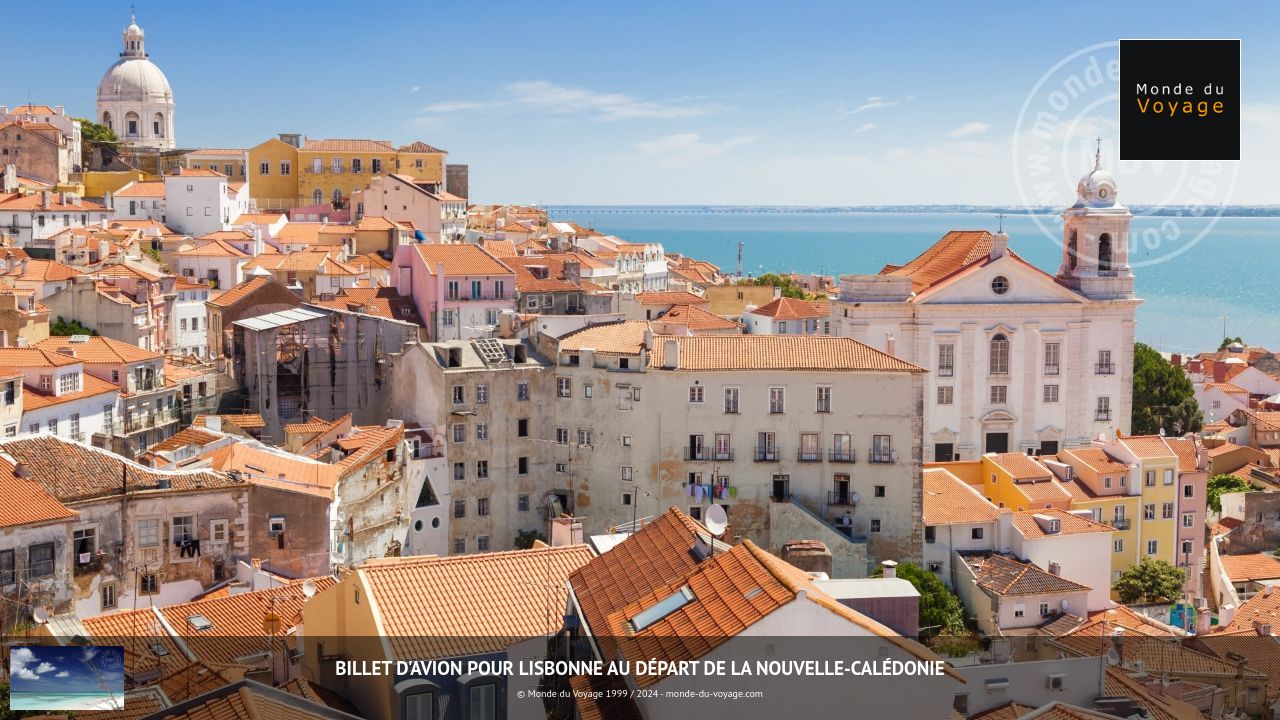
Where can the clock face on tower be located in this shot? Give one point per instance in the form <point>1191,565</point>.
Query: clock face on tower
<point>1102,193</point>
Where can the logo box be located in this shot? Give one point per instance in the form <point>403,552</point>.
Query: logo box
<point>1180,99</point>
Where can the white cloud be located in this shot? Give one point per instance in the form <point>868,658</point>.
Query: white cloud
<point>875,102</point>
<point>63,673</point>
<point>969,128</point>
<point>415,88</point>
<point>550,98</point>
<point>865,127</point>
<point>21,659</point>
<point>684,149</point>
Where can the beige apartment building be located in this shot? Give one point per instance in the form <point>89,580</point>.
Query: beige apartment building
<point>487,402</point>
<point>827,429</point>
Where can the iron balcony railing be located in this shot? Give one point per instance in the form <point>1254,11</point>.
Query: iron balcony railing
<point>766,454</point>
<point>811,455</point>
<point>842,456</point>
<point>695,453</point>
<point>840,497</point>
<point>1105,368</point>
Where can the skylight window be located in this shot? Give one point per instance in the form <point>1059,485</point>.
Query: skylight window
<point>663,608</point>
<point>159,650</point>
<point>199,622</point>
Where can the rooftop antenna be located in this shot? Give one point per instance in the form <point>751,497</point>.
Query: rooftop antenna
<point>740,244</point>
<point>1000,227</point>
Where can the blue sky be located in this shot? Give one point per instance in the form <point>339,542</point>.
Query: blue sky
<point>55,669</point>
<point>664,102</point>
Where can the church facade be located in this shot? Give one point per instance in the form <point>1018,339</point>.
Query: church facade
<point>1018,360</point>
<point>134,97</point>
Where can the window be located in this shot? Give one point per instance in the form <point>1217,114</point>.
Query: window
<point>459,546</point>
<point>459,471</point>
<point>482,699</point>
<point>376,165</point>
<point>586,389</point>
<point>809,451</point>
<point>626,441</point>
<point>459,508</point>
<point>1186,547</point>
<point>975,533</point>
<point>1105,366</point>
<point>149,584</point>
<point>1117,545</point>
<point>1188,520</point>
<point>824,399</point>
<point>1106,481</point>
<point>75,424</point>
<point>419,706</point>
<point>1052,358</point>
<point>459,432</point>
<point>285,168</point>
<point>1153,547</point>
<point>1166,511</point>
<point>107,593</point>
<point>695,393</point>
<point>482,506</point>
<point>219,532</point>
<point>1149,511</point>
<point>945,394</point>
<point>875,525</point>
<point>482,393</point>
<point>878,491</point>
<point>1168,476</point>
<point>564,387</point>
<point>777,400</point>
<point>522,427</point>
<point>1188,491</point>
<point>1104,409</point>
<point>83,544</point>
<point>930,534</point>
<point>53,426</point>
<point>626,473</point>
<point>1051,393</point>
<point>584,437</point>
<point>562,436</point>
<point>562,468</point>
<point>446,318</point>
<point>946,360</point>
<point>482,543</point>
<point>1150,478</point>
<point>8,571</point>
<point>264,168</point>
<point>626,498</point>
<point>1000,285</point>
<point>731,400</point>
<point>40,560</point>
<point>999,394</point>
<point>998,360</point>
<point>522,503</point>
<point>184,528</point>
<point>1044,609</point>
<point>522,466</point>
<point>881,451</point>
<point>357,165</point>
<point>482,431</point>
<point>482,471</point>
<point>148,532</point>
<point>1019,610</point>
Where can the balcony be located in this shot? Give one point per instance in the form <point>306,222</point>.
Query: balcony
<point>842,497</point>
<point>722,454</point>
<point>1052,369</point>
<point>1105,369</point>
<point>946,371</point>
<point>695,453</point>
<point>880,456</point>
<point>842,456</point>
<point>432,450</point>
<point>1119,523</point>
<point>766,454</point>
<point>810,455</point>
<point>1102,416</point>
<point>475,298</point>
<point>89,568</point>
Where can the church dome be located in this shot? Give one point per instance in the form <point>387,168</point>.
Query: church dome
<point>1098,187</point>
<point>135,78</point>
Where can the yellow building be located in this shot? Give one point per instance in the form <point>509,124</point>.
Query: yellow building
<point>273,174</point>
<point>1100,483</point>
<point>290,171</point>
<point>228,161</point>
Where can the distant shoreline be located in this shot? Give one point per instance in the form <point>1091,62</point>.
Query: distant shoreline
<point>1244,211</point>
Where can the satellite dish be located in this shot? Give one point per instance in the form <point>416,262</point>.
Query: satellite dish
<point>717,520</point>
<point>40,615</point>
<point>309,588</point>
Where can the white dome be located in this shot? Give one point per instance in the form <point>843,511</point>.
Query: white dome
<point>135,79</point>
<point>1098,187</point>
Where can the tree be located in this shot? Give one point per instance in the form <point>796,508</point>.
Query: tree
<point>789,287</point>
<point>940,610</point>
<point>1151,580</point>
<point>526,538</point>
<point>1227,341</point>
<point>1220,485</point>
<point>1162,396</point>
<point>93,136</point>
<point>65,328</point>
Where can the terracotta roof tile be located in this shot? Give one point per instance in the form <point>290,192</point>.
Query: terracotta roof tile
<point>274,468</point>
<point>956,250</point>
<point>142,188</point>
<point>27,502</point>
<point>948,500</point>
<point>785,308</point>
<point>614,338</point>
<point>347,145</point>
<point>90,386</point>
<point>1008,711</point>
<point>214,248</point>
<point>464,259</point>
<point>187,437</point>
<point>470,604</point>
<point>99,349</point>
<point>776,352</point>
<point>235,294</point>
<point>1097,459</point>
<point>44,271</point>
<point>1254,566</point>
<point>697,318</point>
<point>381,302</point>
<point>1020,466</point>
<point>1148,447</point>
<point>670,297</point>
<point>420,147</point>
<point>1009,577</point>
<point>1069,524</point>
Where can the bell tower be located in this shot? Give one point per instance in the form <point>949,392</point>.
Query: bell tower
<point>1095,238</point>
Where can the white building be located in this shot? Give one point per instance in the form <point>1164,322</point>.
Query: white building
<point>140,200</point>
<point>789,316</point>
<point>134,97</point>
<point>956,518</point>
<point>59,397</point>
<point>187,321</point>
<point>217,262</point>
<point>198,202</point>
<point>1066,544</point>
<point>1018,359</point>
<point>42,215</point>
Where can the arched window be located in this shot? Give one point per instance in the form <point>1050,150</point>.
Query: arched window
<point>1071,251</point>
<point>317,197</point>
<point>337,198</point>
<point>999,360</point>
<point>106,120</point>
<point>157,125</point>
<point>1104,253</point>
<point>131,125</point>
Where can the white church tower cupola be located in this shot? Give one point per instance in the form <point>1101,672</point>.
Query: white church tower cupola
<point>1095,238</point>
<point>134,97</point>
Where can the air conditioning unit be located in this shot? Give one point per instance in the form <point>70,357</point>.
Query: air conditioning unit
<point>276,525</point>
<point>935,567</point>
<point>1056,682</point>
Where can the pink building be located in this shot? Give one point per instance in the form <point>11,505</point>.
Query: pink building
<point>459,290</point>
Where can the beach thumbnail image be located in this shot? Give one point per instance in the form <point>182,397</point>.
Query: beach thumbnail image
<point>66,678</point>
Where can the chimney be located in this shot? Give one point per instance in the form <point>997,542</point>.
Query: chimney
<point>1175,359</point>
<point>1055,569</point>
<point>811,556</point>
<point>45,198</point>
<point>890,345</point>
<point>1263,629</point>
<point>999,245</point>
<point>10,178</point>
<point>890,568</point>
<point>104,248</point>
<point>22,470</point>
<point>1219,372</point>
<point>671,354</point>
